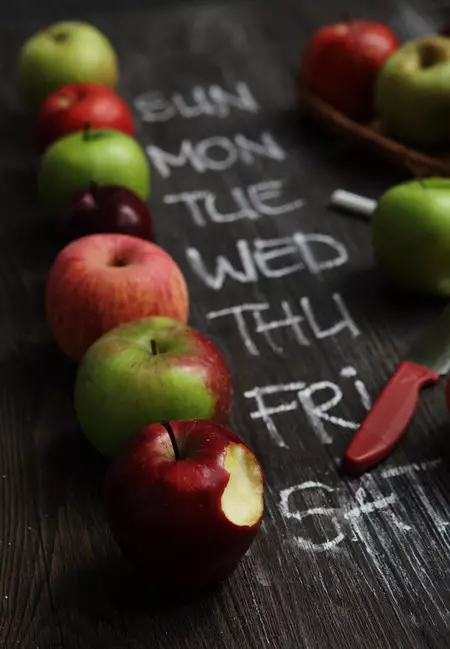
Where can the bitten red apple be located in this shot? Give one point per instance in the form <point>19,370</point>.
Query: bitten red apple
<point>341,61</point>
<point>106,208</point>
<point>185,500</point>
<point>72,106</point>
<point>102,280</point>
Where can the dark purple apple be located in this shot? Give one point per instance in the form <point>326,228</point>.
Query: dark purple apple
<point>106,209</point>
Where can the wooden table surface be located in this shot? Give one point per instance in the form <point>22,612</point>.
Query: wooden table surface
<point>288,289</point>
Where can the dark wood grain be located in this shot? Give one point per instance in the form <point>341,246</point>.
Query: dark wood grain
<point>366,562</point>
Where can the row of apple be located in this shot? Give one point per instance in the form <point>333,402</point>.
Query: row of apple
<point>361,68</point>
<point>184,494</point>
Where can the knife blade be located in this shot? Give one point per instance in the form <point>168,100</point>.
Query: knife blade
<point>427,361</point>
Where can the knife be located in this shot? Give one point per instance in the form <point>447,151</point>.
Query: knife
<point>393,409</point>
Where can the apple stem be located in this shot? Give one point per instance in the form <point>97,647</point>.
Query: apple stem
<point>169,429</point>
<point>86,130</point>
<point>154,346</point>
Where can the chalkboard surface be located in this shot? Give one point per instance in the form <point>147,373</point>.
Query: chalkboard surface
<point>288,289</point>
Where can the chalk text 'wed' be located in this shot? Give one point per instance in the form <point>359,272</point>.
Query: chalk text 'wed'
<point>270,258</point>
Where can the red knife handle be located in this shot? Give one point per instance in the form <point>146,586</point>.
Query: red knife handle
<point>389,416</point>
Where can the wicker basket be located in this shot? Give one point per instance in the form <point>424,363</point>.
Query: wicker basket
<point>419,163</point>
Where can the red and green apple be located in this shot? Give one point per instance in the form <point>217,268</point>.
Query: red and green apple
<point>66,52</point>
<point>148,370</point>
<point>100,281</point>
<point>185,500</point>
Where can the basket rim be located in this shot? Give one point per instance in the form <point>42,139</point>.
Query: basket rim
<point>416,161</point>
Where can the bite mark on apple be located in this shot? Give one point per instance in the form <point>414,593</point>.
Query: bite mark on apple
<point>242,498</point>
<point>173,439</point>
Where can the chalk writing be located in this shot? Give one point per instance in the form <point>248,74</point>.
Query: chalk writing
<point>266,413</point>
<point>259,256</point>
<point>209,101</point>
<point>318,413</point>
<point>361,389</point>
<point>319,515</point>
<point>251,203</point>
<point>371,487</point>
<point>379,534</point>
<point>328,512</point>
<point>295,322</point>
<point>305,397</point>
<point>336,516</point>
<point>215,153</point>
<point>409,473</point>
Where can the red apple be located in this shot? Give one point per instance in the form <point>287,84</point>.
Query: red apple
<point>102,280</point>
<point>107,208</point>
<point>341,61</point>
<point>72,106</point>
<point>185,500</point>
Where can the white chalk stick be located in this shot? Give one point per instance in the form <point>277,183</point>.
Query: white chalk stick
<point>353,202</point>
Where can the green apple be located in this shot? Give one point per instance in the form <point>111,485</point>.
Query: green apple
<point>145,371</point>
<point>67,52</point>
<point>101,156</point>
<point>411,235</point>
<point>412,92</point>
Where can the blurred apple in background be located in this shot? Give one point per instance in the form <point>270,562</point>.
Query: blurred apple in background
<point>185,500</point>
<point>100,281</point>
<point>109,208</point>
<point>72,106</point>
<point>66,52</point>
<point>341,60</point>
<point>103,156</point>
<point>411,235</point>
<point>145,371</point>
<point>412,92</point>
